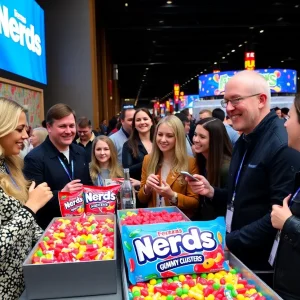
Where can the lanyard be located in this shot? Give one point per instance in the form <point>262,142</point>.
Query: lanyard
<point>66,170</point>
<point>11,178</point>
<point>237,177</point>
<point>294,196</point>
<point>100,181</point>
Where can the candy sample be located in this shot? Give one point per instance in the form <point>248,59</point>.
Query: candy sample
<point>163,250</point>
<point>144,216</point>
<point>206,286</point>
<point>78,239</point>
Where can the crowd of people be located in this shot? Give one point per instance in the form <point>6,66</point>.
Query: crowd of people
<point>247,165</point>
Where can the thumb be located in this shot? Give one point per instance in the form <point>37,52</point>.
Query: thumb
<point>32,186</point>
<point>286,201</point>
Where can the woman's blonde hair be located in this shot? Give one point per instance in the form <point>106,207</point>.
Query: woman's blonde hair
<point>180,161</point>
<point>10,112</point>
<point>41,133</point>
<point>114,167</point>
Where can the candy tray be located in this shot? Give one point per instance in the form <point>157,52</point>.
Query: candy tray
<point>71,279</point>
<point>234,262</point>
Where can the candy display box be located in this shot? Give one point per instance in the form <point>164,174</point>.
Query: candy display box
<point>234,262</point>
<point>168,209</point>
<point>71,279</point>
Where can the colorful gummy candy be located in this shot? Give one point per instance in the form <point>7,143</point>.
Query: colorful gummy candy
<point>150,217</point>
<point>206,286</point>
<point>80,239</point>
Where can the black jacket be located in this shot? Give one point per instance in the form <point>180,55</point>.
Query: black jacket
<point>266,178</point>
<point>287,265</point>
<point>42,165</point>
<point>133,163</point>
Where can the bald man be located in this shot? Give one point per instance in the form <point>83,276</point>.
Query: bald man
<point>261,171</point>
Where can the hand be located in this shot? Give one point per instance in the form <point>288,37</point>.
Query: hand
<point>280,214</point>
<point>164,190</point>
<point>135,182</point>
<point>201,187</point>
<point>38,196</point>
<point>151,182</point>
<point>73,186</point>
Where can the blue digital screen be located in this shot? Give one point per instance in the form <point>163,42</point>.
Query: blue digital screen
<point>280,81</point>
<point>22,39</point>
<point>190,99</point>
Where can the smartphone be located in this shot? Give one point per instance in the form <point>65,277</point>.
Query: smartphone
<point>184,173</point>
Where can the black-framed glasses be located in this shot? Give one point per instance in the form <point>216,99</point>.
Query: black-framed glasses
<point>235,101</point>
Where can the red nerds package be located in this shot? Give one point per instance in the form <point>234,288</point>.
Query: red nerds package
<point>100,199</point>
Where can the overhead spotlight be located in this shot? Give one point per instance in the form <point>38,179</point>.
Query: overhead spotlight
<point>143,80</point>
<point>245,42</point>
<point>232,50</point>
<point>126,4</point>
<point>161,21</point>
<point>240,45</point>
<point>205,70</point>
<point>282,61</point>
<point>147,69</point>
<point>223,57</point>
<point>144,75</point>
<point>215,63</point>
<point>251,27</point>
<point>169,2</point>
<point>228,53</point>
<point>269,67</point>
<point>280,19</point>
<point>296,6</point>
<point>201,72</point>
<point>261,31</point>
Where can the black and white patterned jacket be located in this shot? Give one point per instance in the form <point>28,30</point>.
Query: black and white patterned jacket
<point>18,234</point>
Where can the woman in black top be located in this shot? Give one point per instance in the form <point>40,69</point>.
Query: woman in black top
<point>139,143</point>
<point>213,154</point>
<point>286,218</point>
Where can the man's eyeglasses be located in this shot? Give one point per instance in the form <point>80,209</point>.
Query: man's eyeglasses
<point>82,132</point>
<point>236,101</point>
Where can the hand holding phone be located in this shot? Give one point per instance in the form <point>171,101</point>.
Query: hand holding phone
<point>184,173</point>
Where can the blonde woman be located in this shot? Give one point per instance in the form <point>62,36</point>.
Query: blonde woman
<point>18,205</point>
<point>161,183</point>
<point>104,164</point>
<point>38,135</point>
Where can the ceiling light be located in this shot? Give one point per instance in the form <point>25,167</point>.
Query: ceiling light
<point>228,53</point>
<point>169,2</point>
<point>251,27</point>
<point>296,6</point>
<point>215,62</point>
<point>205,70</point>
<point>269,67</point>
<point>232,50</point>
<point>282,61</point>
<point>144,75</point>
<point>245,42</point>
<point>240,45</point>
<point>261,31</point>
<point>280,19</point>
<point>126,4</point>
<point>143,80</point>
<point>161,21</point>
<point>223,57</point>
<point>147,68</point>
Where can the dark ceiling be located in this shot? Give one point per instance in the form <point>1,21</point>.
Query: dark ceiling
<point>156,44</point>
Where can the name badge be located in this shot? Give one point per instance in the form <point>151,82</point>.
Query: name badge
<point>229,216</point>
<point>274,249</point>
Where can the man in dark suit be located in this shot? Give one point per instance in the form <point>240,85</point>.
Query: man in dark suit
<point>57,161</point>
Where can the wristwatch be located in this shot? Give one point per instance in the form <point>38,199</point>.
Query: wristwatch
<point>174,199</point>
